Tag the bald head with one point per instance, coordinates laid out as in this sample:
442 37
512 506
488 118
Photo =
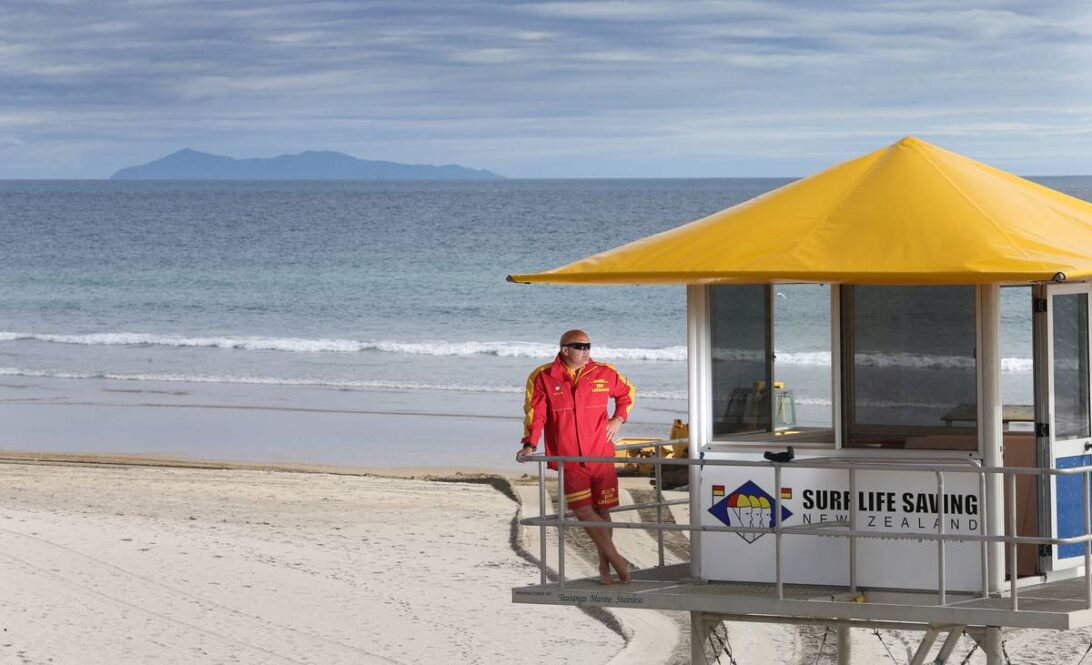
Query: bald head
573 336
575 358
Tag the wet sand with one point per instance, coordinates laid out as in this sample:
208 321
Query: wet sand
275 424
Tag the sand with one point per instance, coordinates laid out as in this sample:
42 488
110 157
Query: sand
154 565
144 564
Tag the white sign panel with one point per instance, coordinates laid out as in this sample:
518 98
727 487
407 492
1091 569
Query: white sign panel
887 501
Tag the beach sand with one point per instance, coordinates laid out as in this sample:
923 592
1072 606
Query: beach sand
130 563
169 565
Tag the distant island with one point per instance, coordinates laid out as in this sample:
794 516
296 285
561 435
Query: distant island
189 164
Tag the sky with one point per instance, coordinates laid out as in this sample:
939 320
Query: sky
580 89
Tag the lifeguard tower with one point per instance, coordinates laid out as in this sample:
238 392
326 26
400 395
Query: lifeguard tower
926 503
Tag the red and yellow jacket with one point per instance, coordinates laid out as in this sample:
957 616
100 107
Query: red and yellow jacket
573 414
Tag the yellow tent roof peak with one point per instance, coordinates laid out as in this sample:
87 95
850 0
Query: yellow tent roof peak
908 213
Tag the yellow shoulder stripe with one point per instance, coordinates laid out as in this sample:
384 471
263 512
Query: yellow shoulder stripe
528 408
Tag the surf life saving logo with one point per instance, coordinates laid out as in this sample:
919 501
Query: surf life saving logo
748 505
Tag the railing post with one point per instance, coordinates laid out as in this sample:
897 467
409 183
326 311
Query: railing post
777 528
853 527
941 572
1011 477
983 520
1087 545
542 528
660 501
561 508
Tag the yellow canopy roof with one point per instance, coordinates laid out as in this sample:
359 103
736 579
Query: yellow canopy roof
911 213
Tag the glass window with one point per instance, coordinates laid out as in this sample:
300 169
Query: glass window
909 367
1017 377
802 368
1071 366
760 395
741 361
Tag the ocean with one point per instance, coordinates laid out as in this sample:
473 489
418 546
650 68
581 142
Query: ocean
368 299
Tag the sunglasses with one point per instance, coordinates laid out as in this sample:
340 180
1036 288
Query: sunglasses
579 346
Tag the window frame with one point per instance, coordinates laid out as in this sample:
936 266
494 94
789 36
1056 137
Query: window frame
700 323
830 435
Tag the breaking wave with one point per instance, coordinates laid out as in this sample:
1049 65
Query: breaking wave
259 380
500 349
327 345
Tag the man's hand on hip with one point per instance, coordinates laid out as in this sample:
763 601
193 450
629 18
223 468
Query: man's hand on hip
613 425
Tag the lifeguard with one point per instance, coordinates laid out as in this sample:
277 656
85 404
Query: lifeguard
567 399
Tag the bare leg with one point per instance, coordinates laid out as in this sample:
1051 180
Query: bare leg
604 563
602 539
604 570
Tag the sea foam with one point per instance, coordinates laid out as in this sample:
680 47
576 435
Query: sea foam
506 349
500 349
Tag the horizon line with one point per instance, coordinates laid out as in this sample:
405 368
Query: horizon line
473 180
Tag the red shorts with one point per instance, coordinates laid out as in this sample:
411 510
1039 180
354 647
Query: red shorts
594 484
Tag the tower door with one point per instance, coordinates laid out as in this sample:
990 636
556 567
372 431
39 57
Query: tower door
1063 428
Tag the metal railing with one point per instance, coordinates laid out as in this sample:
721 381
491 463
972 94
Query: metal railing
840 529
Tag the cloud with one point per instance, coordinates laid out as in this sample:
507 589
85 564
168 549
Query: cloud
615 88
